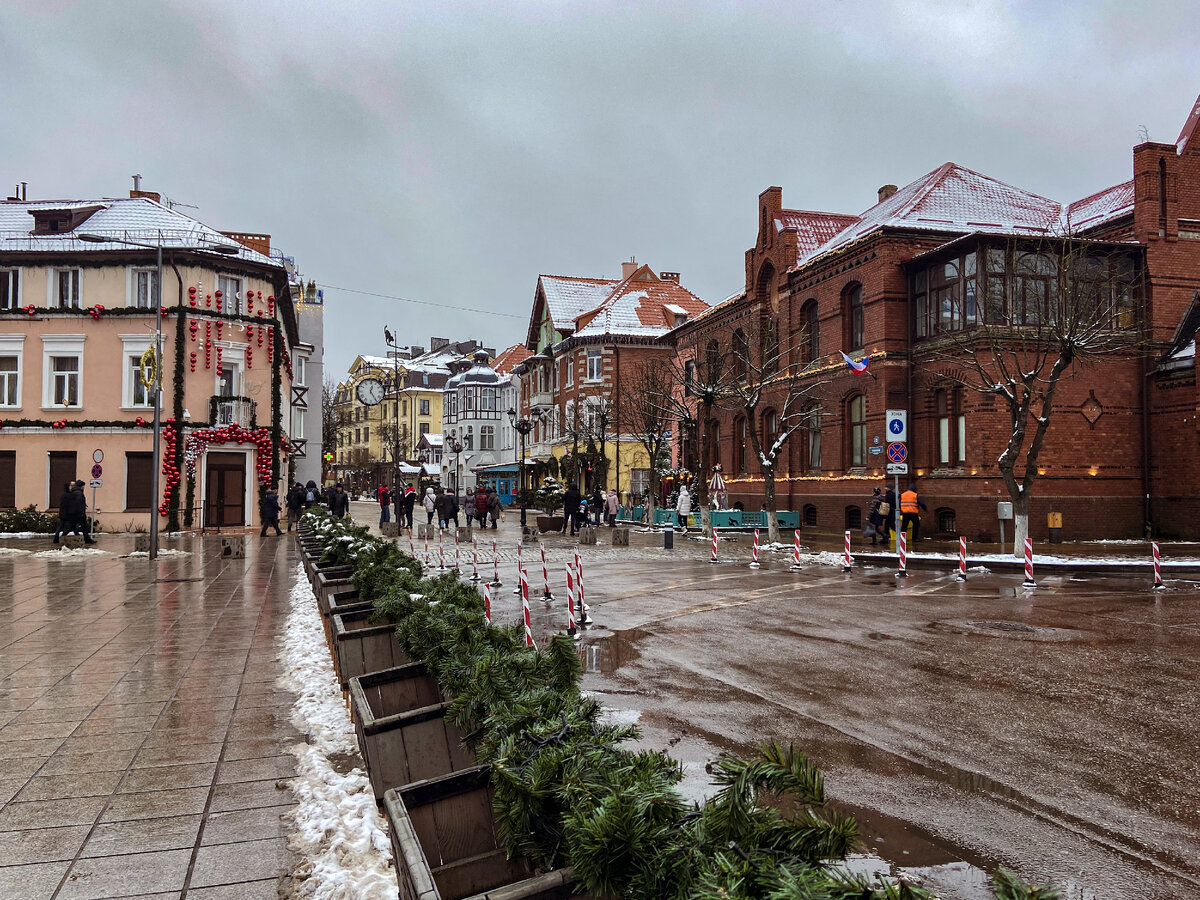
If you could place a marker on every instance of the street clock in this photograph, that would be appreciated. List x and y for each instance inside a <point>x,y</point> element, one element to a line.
<point>370,391</point>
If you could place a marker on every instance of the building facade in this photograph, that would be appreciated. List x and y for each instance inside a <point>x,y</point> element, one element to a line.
<point>585,336</point>
<point>911,285</point>
<point>78,293</point>
<point>477,432</point>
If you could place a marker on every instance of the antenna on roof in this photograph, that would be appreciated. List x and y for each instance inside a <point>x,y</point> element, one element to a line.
<point>1143,134</point>
<point>171,204</point>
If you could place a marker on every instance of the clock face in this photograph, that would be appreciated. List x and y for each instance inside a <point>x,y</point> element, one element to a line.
<point>370,391</point>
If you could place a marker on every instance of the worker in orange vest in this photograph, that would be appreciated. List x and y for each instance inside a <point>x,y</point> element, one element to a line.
<point>910,510</point>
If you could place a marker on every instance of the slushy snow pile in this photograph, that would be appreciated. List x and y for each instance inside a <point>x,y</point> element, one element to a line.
<point>64,553</point>
<point>341,840</point>
<point>162,552</point>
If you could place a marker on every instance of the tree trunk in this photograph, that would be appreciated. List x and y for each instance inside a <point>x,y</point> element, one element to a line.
<point>1020,523</point>
<point>769,503</point>
<point>705,456</point>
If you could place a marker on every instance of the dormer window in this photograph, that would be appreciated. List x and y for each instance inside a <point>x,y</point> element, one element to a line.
<point>61,221</point>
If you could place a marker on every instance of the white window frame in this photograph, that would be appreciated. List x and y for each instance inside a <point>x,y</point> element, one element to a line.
<point>487,437</point>
<point>13,345</point>
<point>297,424</point>
<point>570,368</point>
<point>598,357</point>
<point>52,296</point>
<point>12,275</point>
<point>132,274</point>
<point>234,296</point>
<point>133,345</point>
<point>301,371</point>
<point>60,345</point>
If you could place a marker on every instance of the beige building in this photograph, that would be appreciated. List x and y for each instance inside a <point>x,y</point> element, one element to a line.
<point>77,315</point>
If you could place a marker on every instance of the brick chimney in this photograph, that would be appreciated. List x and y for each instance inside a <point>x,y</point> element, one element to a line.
<point>886,191</point>
<point>437,343</point>
<point>628,268</point>
<point>1155,191</point>
<point>669,276</point>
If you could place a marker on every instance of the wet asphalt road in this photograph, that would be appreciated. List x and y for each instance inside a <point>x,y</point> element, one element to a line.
<point>1051,731</point>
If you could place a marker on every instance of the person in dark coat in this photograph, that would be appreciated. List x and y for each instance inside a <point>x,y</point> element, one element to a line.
<point>410,503</point>
<point>295,504</point>
<point>270,512</point>
<point>481,506</point>
<point>873,517</point>
<point>312,494</point>
<point>571,501</point>
<point>494,508</point>
<point>887,515</point>
<point>385,505</point>
<point>81,525</point>
<point>66,515</point>
<point>597,506</point>
<point>442,505</point>
<point>339,502</point>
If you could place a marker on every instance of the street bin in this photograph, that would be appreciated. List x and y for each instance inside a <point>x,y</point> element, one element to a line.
<point>1054,522</point>
<point>669,539</point>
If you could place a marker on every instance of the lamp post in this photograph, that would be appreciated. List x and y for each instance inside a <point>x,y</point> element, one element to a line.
<point>456,447</point>
<point>223,249</point>
<point>523,426</point>
<point>394,387</point>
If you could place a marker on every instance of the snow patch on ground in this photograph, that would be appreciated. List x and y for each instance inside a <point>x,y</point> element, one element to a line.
<point>823,558</point>
<point>64,553</point>
<point>167,552</point>
<point>619,717</point>
<point>13,551</point>
<point>25,534</point>
<point>339,835</point>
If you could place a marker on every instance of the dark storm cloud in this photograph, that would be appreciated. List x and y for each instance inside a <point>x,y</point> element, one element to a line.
<point>451,152</point>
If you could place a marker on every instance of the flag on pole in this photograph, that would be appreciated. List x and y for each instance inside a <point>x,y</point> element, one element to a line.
<point>859,367</point>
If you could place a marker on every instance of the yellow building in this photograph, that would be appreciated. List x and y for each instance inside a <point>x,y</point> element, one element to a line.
<point>369,434</point>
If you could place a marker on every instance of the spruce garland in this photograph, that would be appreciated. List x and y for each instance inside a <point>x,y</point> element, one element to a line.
<point>567,793</point>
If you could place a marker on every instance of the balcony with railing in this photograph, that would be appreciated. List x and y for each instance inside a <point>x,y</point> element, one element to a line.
<point>229,410</point>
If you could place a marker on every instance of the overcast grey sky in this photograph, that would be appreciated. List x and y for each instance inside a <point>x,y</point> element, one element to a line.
<point>450,152</point>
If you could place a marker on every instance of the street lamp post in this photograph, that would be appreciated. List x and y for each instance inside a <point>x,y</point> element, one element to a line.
<point>223,249</point>
<point>456,447</point>
<point>395,387</point>
<point>523,426</point>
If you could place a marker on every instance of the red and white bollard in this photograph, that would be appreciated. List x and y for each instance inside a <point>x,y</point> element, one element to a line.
<point>714,553</point>
<point>754,561</point>
<point>525,609</point>
<point>456,557</point>
<point>487,604</point>
<point>441,552</point>
<point>796,553</point>
<point>1029,582</point>
<point>1158,582</point>
<point>495,565</point>
<point>571,603</point>
<point>847,560</point>
<point>962,559</point>
<point>584,618</point>
<point>412,549</point>
<point>546,595</point>
<point>427,562</point>
<point>902,547</point>
<point>520,569</point>
<point>475,559</point>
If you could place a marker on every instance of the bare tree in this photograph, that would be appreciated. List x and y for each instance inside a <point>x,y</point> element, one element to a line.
<point>1044,306</point>
<point>770,392</point>
<point>588,425</point>
<point>650,410</point>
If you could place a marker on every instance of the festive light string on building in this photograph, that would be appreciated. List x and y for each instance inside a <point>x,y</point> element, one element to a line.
<point>470,309</point>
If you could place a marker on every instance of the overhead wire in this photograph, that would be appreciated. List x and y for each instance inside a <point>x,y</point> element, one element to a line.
<point>485,312</point>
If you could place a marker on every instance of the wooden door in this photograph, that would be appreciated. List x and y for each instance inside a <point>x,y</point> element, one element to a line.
<point>62,470</point>
<point>225,494</point>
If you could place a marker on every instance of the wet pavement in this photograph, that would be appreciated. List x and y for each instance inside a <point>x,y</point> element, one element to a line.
<point>143,740</point>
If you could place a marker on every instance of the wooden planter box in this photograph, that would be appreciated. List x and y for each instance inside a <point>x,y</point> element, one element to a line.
<point>549,524</point>
<point>445,846</point>
<point>330,582</point>
<point>360,647</point>
<point>403,732</point>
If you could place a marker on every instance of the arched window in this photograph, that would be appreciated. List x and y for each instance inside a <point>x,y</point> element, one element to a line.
<point>741,353</point>
<point>812,442</point>
<point>852,310</point>
<point>853,518</point>
<point>739,446</point>
<point>712,362</point>
<point>807,339</point>
<point>769,351</point>
<point>946,523</point>
<point>951,427</point>
<point>856,421</point>
<point>810,515</point>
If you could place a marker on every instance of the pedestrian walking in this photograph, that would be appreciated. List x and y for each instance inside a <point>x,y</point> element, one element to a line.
<point>611,504</point>
<point>683,507</point>
<point>887,515</point>
<point>871,528</point>
<point>571,500</point>
<point>295,504</point>
<point>581,518</point>
<point>66,514</point>
<point>911,506</point>
<point>481,506</point>
<point>430,504</point>
<point>385,505</point>
<point>270,512</point>
<point>79,508</point>
<point>410,503</point>
<point>597,504</point>
<point>312,494</point>
<point>339,502</point>
<point>494,507</point>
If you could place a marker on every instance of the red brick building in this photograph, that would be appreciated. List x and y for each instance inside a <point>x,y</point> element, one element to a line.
<point>900,282</point>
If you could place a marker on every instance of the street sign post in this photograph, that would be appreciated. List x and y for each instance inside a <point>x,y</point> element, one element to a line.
<point>897,425</point>
<point>897,469</point>
<point>97,470</point>
<point>897,453</point>
<point>98,456</point>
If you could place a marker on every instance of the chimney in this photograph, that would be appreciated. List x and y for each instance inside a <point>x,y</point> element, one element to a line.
<point>886,191</point>
<point>437,343</point>
<point>138,192</point>
<point>628,268</point>
<point>669,276</point>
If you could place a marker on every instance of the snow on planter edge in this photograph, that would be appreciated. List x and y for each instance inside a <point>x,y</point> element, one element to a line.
<point>339,836</point>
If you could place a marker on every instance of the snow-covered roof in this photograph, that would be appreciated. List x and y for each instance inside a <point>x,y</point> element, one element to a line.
<point>643,305</point>
<point>432,468</point>
<point>137,219</point>
<point>567,298</point>
<point>1101,207</point>
<point>509,358</point>
<point>812,228</point>
<point>1189,128</point>
<point>432,439</point>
